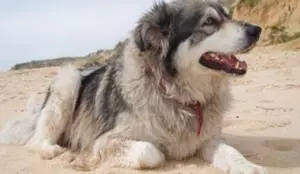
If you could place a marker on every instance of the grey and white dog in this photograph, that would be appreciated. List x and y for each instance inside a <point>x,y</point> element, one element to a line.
<point>163,98</point>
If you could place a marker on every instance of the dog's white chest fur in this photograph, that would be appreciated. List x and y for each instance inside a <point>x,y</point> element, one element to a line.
<point>185,142</point>
<point>178,138</point>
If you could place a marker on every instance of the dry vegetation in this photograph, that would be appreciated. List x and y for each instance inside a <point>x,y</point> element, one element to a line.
<point>280,19</point>
<point>91,59</point>
<point>250,3</point>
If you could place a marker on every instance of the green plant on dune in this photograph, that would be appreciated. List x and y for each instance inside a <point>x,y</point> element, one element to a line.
<point>250,3</point>
<point>280,35</point>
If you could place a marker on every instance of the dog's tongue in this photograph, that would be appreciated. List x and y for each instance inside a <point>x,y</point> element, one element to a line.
<point>227,63</point>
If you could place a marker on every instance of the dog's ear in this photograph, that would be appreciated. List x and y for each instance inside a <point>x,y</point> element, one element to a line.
<point>154,27</point>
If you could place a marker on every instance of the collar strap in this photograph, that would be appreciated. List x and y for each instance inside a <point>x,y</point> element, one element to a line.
<point>199,115</point>
<point>195,105</point>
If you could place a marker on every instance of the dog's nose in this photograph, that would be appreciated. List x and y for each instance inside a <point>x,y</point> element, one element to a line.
<point>253,30</point>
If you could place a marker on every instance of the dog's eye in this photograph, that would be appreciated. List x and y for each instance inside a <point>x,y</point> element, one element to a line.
<point>209,21</point>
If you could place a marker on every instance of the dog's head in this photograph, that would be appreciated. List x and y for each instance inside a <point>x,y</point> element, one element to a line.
<point>195,38</point>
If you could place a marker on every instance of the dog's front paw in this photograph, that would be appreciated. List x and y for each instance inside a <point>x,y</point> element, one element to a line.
<point>51,151</point>
<point>247,168</point>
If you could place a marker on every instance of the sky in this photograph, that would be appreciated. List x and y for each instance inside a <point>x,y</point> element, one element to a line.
<point>42,29</point>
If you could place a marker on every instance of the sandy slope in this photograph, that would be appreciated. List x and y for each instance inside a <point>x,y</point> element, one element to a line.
<point>264,122</point>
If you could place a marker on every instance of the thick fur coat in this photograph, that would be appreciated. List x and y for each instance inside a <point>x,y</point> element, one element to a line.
<point>137,110</point>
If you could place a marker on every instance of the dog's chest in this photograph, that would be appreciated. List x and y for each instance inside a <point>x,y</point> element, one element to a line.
<point>182,147</point>
<point>185,142</point>
<point>174,130</point>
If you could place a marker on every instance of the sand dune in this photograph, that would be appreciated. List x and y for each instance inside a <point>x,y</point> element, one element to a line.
<point>264,122</point>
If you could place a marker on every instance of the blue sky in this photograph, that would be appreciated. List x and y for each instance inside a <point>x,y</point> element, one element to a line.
<point>41,29</point>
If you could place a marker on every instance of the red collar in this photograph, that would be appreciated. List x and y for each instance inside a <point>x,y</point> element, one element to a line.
<point>196,105</point>
<point>199,114</point>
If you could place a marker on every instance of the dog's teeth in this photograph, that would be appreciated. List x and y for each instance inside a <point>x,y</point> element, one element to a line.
<point>213,55</point>
<point>237,65</point>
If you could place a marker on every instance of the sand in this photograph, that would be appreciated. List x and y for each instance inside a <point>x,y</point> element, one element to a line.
<point>264,122</point>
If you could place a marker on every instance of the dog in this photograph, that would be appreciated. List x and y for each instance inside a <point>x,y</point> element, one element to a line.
<point>163,99</point>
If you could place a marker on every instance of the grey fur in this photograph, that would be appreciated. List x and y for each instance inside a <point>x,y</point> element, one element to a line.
<point>120,110</point>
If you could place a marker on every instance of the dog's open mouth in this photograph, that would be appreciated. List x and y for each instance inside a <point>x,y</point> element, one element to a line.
<point>223,62</point>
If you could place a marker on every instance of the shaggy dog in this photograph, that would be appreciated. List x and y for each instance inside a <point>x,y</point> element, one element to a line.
<point>163,98</point>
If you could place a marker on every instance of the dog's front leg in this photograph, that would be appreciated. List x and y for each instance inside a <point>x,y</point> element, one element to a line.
<point>124,153</point>
<point>228,159</point>
<point>139,155</point>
